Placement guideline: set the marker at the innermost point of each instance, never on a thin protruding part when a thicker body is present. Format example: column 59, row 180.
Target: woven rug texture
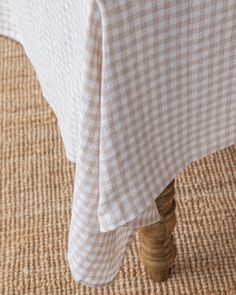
column 36, row 186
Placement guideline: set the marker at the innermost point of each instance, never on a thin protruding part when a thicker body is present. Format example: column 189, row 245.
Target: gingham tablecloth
column 140, row 88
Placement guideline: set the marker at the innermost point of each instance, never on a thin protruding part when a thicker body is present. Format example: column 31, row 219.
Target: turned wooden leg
column 157, row 248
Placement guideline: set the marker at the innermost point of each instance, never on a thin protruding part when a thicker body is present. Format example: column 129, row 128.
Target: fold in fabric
column 68, row 64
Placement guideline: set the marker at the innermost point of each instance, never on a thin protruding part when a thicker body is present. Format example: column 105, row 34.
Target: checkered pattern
column 140, row 90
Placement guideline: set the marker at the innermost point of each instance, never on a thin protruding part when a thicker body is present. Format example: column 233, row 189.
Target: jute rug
column 36, row 183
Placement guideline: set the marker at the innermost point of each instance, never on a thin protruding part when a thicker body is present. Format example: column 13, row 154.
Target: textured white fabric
column 140, row 90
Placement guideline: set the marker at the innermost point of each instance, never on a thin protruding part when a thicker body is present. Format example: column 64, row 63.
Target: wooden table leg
column 157, row 248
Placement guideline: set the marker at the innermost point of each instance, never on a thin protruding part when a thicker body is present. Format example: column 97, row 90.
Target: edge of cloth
column 91, row 285
column 193, row 157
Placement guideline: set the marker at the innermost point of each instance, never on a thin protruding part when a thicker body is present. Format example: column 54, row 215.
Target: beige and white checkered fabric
column 140, row 88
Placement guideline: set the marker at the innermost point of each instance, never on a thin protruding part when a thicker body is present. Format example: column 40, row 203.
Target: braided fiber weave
column 36, row 182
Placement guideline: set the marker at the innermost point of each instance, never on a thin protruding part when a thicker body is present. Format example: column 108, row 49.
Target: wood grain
column 157, row 247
